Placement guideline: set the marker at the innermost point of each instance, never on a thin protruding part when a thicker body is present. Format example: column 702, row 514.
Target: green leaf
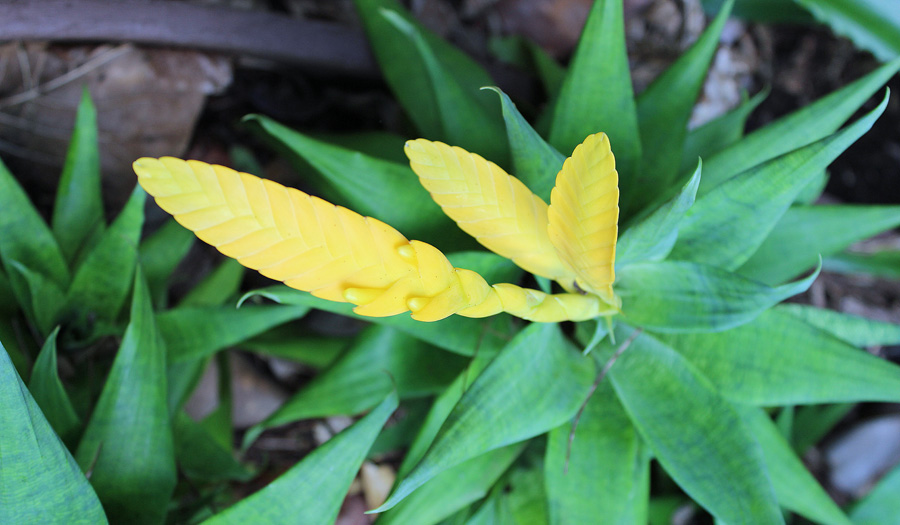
column 881, row 502
column 39, row 481
column 50, row 395
column 784, row 421
column 406, row 70
column 665, row 108
column 78, row 212
column 536, row 162
column 127, row 445
column 673, row 296
column 537, row 382
column 182, row 378
column 525, row 496
column 805, row 126
column 465, row 120
column 160, row 254
column 602, row 475
column 286, row 343
column 386, row 190
column 525, row 55
column 856, row 330
column 97, row 290
column 379, row 144
column 439, row 412
column 200, row 456
column 780, row 360
column 218, row 423
column 717, row 134
column 814, row 422
column 491, row 511
column 882, row 263
column 662, row 510
column 805, row 232
column 19, row 350
column 312, row 490
column 452, row 489
column 794, row 486
column 220, row 285
column 873, row 25
column 696, row 435
column 812, row 191
column 192, row 332
column 597, row 95
column 768, row 11
column 400, row 434
column 44, row 298
column 551, row 74
column 26, row 238
column 457, row 334
column 380, row 360
column 653, row 237
column 727, row 225
column 8, row 306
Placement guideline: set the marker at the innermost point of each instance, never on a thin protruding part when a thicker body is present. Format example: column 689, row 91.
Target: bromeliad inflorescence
column 340, row 255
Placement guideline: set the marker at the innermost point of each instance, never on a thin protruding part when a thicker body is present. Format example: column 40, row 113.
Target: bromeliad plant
column 690, row 290
column 703, row 354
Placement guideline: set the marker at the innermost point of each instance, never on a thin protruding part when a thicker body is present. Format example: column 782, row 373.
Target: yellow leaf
column 488, row 204
column 333, row 252
column 584, row 214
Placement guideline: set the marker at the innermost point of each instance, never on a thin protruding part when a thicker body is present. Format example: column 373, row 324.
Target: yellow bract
column 584, row 215
column 339, row 255
column 488, row 204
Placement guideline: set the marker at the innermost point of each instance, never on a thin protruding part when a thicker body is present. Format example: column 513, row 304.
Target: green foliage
column 608, row 465
column 882, row 501
column 710, row 444
column 437, row 83
column 313, row 489
column 88, row 432
column 94, row 288
column 664, row 109
column 78, row 214
column 583, row 107
column 127, row 445
column 49, row 393
column 40, row 481
column 873, row 25
column 505, row 422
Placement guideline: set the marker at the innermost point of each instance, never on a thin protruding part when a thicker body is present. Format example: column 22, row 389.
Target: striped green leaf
column 96, row 291
column 780, row 360
column 127, row 445
column 805, row 232
column 312, row 490
column 697, row 436
column 78, row 213
column 50, row 395
column 534, row 384
column 603, row 474
column 804, row 126
column 675, row 296
column 665, row 108
column 535, row 161
column 728, row 224
column 40, row 482
column 596, row 94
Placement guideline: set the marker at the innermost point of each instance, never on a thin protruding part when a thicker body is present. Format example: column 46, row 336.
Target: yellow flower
column 337, row 254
